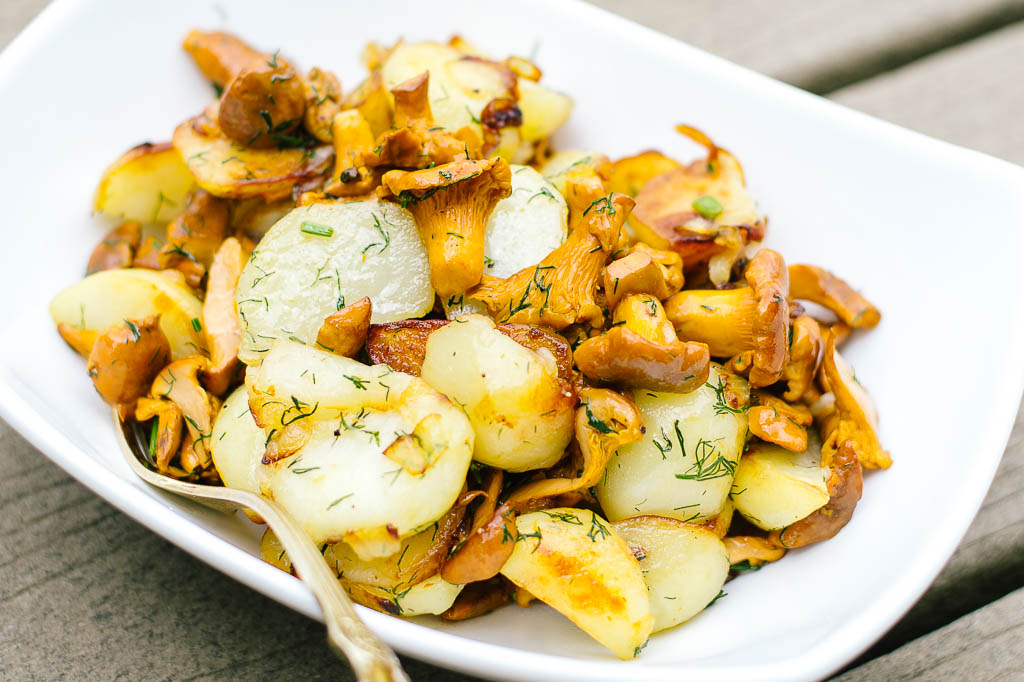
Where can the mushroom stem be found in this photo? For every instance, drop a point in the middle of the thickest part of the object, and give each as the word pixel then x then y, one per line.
pixel 451 204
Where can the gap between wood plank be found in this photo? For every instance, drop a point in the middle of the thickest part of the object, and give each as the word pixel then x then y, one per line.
pixel 898 55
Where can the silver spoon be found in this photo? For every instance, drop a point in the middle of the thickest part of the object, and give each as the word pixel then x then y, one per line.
pixel 348 636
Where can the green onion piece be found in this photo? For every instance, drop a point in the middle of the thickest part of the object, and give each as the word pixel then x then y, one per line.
pixel 707 206
pixel 196 326
pixel 317 229
pixel 152 439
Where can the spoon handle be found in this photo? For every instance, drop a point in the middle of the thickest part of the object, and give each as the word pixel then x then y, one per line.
pixel 348 636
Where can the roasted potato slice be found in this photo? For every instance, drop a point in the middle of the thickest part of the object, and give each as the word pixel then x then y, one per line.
pixel 237 444
pixel 521 412
pixel 683 466
pixel 321 257
pixel 684 565
pixel 228 170
pixel 355 478
pixel 148 184
pixel 573 560
pixel 774 487
pixel 110 297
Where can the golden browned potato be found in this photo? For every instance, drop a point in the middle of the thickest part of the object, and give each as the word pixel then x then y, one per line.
pixel 225 169
pixel 263 104
pixel 110 297
pixel 147 184
pixel 575 562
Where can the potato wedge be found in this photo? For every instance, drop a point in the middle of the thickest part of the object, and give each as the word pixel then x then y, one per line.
pixel 225 169
pixel 355 479
pixel 774 487
pixel 148 184
pixel 683 466
pixel 684 565
pixel 237 444
pixel 572 560
pixel 521 412
pixel 110 297
pixel 320 257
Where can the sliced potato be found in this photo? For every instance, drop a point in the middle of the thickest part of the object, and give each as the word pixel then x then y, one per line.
pixel 521 413
pixel 683 466
pixel 110 297
pixel 238 444
pixel 433 596
pixel 775 487
pixel 357 478
pixel 462 85
pixel 320 257
pixel 684 565
pixel 572 560
pixel 225 169
pixel 526 226
pixel 148 183
pixel 544 110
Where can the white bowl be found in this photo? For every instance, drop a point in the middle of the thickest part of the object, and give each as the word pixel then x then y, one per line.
pixel 930 232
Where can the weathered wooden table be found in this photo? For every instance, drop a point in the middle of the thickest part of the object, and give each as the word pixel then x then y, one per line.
pixel 86 593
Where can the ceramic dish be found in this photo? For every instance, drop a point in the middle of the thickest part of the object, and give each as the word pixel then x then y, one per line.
pixel 930 231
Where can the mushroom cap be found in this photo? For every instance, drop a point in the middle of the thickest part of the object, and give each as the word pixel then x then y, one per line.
pixel 769 280
pixel 624 357
pixel 263 102
pixel 811 283
pixel 451 204
pixel 125 358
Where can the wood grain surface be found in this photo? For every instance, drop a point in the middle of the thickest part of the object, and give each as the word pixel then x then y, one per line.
pixel 86 593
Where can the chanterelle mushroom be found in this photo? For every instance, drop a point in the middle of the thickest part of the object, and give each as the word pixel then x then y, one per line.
pixel 855 420
pixel 804 357
pixel 844 486
pixel 263 103
pixel 219 55
pixel 168 428
pixel 559 291
pixel 344 332
pixel 194 236
pixel 125 358
pixel 811 283
pixel 117 250
pixel 414 141
pixel 641 351
pixel 733 321
pixel 451 204
pixel 702 211
pixel 353 140
pixel 179 383
pixel 323 97
pixel 220 319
